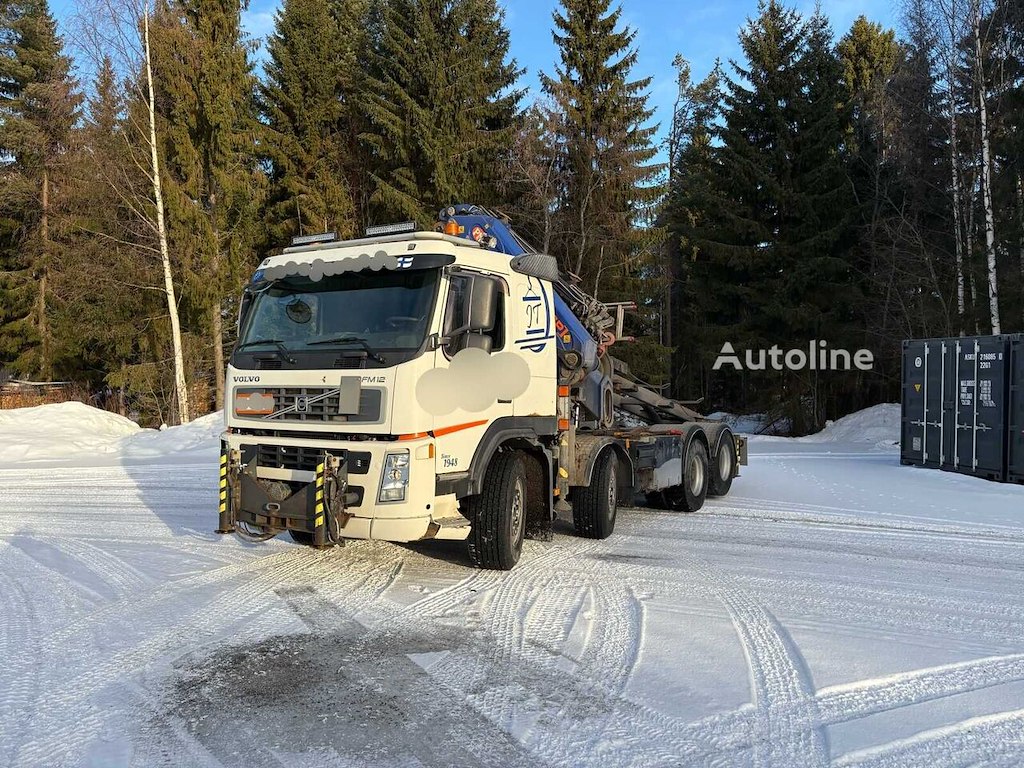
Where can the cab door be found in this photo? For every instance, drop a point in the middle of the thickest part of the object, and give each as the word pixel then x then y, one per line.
pixel 466 392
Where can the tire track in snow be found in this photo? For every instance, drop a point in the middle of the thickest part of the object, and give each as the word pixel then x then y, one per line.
pixel 614 648
pixel 69 717
pixel 867 697
pixel 731 731
pixel 570 713
pixel 19 631
pixel 161 741
pixel 785 708
pixel 521 612
pixel 119 575
pixel 509 601
pixel 990 740
pixel 781 726
pixel 849 517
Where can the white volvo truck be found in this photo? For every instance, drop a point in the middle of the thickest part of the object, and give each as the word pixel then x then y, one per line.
pixel 447 384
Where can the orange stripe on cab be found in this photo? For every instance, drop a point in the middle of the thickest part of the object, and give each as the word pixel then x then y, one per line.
pixel 414 436
pixel 442 430
pixel 458 427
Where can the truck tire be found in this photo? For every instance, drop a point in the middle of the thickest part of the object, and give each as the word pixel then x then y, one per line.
pixel 688 497
pixel 499 514
pixel 301 537
pixel 594 506
pixel 723 466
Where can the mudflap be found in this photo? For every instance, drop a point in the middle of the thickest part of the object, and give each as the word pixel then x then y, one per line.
pixel 741 453
pixel 317 508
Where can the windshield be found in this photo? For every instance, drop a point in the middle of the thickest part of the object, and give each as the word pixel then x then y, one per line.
pixel 373 311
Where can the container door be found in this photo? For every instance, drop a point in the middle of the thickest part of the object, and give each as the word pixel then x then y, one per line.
pixel 1015 430
pixel 921 442
pixel 979 410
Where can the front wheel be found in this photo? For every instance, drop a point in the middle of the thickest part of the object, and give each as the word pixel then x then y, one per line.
pixel 499 514
pixel 594 506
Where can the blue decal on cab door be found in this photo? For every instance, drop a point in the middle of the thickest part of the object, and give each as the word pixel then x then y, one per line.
pixel 536 308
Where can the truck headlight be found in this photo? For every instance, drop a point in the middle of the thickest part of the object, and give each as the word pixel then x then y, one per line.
pixel 395 478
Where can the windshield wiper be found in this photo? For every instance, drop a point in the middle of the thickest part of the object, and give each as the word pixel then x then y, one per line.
pixel 281 350
pixel 351 340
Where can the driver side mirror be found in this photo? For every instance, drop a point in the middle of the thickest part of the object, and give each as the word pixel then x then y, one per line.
pixel 481 306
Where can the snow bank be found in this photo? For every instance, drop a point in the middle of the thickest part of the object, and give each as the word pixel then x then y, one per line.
pixel 88 436
pixel 751 423
pixel 200 437
pixel 878 425
pixel 59 431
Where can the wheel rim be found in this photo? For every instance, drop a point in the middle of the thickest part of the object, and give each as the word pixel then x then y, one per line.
pixel 725 463
pixel 696 475
pixel 517 516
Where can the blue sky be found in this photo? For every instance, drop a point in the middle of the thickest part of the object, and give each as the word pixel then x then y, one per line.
pixel 700 30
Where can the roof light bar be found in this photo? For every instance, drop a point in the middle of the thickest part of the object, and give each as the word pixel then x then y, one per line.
pixel 391 229
pixel 322 237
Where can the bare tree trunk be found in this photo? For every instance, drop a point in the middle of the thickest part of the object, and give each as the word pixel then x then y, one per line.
pixel 217 331
pixel 216 319
pixel 180 386
pixel 1020 224
pixel 986 174
pixel 957 210
pixel 44 273
pixel 954 157
pixel 969 267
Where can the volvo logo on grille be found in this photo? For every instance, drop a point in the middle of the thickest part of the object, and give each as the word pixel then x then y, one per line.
pixel 302 404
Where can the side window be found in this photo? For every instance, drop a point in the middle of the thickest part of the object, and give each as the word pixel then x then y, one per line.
pixel 490 340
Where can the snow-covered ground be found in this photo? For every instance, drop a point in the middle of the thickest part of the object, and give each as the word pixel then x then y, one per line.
pixel 836 608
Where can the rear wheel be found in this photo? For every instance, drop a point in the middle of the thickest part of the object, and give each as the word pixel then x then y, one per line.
pixel 594 506
pixel 723 467
pixel 499 514
pixel 688 497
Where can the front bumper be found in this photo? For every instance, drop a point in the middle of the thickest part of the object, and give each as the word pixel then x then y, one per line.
pixel 329 490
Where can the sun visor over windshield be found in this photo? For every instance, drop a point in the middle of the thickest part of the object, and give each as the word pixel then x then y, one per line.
pixel 318 268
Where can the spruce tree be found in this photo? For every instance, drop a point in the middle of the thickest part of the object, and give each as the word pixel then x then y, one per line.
pixel 305 107
pixel 207 108
pixel 104 280
pixel 868 56
pixel 686 208
pixel 751 211
pixel 610 179
pixel 778 231
pixel 441 102
pixel 39 107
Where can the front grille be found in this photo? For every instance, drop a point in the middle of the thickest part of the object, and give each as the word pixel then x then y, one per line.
pixel 351 361
pixel 315 404
pixel 268 363
pixel 288 457
pixel 304 459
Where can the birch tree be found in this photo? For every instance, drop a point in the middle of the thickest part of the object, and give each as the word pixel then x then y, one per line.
pixel 951 21
pixel 120 29
pixel 986 167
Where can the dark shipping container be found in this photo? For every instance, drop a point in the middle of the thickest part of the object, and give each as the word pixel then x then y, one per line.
pixel 1015 432
pixel 955 407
